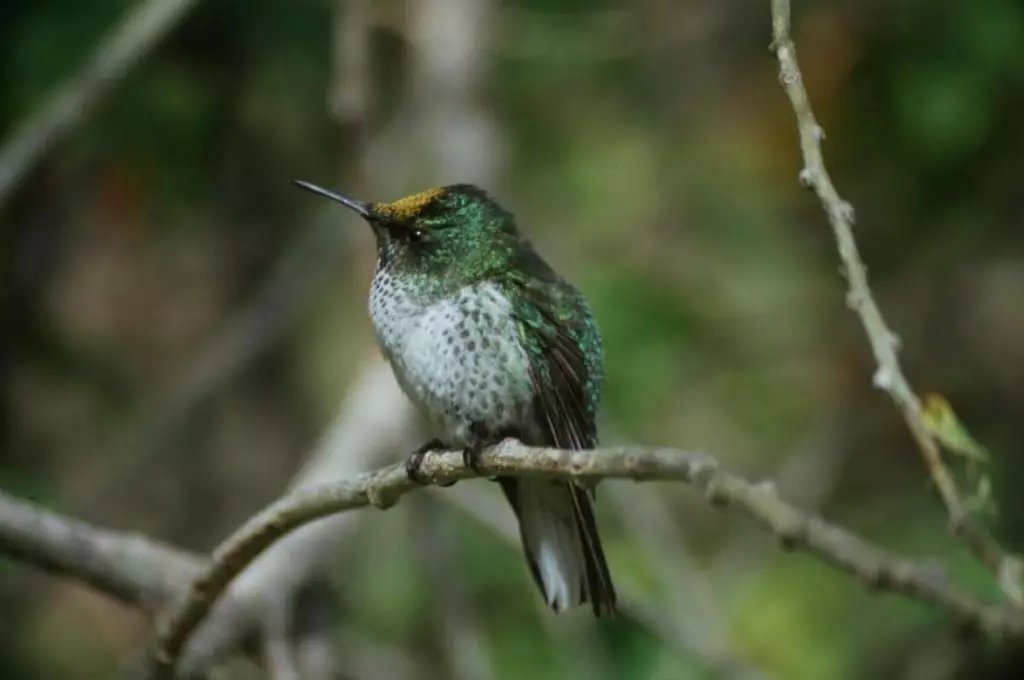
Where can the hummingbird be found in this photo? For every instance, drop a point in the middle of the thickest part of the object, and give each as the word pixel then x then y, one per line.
pixel 489 342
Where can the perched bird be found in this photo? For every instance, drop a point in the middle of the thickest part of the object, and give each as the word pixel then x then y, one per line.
pixel 489 342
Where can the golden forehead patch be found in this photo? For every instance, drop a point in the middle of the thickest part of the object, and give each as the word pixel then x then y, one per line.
pixel 410 206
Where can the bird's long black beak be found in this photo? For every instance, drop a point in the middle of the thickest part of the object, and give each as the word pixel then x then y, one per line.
pixel 358 206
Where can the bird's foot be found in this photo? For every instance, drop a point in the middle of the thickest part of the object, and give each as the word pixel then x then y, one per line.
pixel 415 461
pixel 471 456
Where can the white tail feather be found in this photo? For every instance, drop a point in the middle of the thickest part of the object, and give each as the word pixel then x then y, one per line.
pixel 548 523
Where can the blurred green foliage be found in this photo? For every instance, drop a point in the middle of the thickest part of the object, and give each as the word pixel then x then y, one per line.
pixel 651 155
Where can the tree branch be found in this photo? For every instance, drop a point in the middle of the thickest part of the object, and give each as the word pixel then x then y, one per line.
pixel 383 488
pixel 373 424
pixel 1009 570
pixel 130 568
pixel 149 574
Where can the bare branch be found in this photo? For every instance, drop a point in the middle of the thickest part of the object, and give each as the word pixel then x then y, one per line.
pixel 1009 570
pixel 383 488
pixel 130 568
pixel 148 574
pixel 70 105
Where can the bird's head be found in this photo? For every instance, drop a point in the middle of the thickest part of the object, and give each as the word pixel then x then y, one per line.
pixel 456 232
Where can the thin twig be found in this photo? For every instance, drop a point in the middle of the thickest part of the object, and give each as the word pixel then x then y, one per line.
pixel 383 488
pixel 888 377
pixel 70 105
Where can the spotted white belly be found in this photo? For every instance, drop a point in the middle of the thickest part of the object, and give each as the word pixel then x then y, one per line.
pixel 458 359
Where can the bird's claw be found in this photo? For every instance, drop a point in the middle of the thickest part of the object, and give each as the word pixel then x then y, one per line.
pixel 470 458
pixel 470 454
pixel 412 467
pixel 414 463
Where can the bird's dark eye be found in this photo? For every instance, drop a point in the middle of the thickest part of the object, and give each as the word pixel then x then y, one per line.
pixel 416 236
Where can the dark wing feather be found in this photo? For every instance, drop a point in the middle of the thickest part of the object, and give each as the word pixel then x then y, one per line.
pixel 559 379
pixel 565 388
pixel 555 325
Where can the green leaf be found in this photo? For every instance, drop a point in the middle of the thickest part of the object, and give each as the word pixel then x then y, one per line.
pixel 948 431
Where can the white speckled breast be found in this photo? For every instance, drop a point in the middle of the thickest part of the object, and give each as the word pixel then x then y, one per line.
pixel 458 359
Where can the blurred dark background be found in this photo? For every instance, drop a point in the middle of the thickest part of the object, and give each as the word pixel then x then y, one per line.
pixel 179 325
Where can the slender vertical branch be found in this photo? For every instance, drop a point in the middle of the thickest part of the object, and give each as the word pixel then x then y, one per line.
pixel 888 376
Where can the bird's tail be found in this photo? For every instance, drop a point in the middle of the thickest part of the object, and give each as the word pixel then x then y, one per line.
pixel 562 546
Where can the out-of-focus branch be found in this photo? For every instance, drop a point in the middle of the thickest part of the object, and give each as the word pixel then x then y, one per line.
pixel 349 91
pixel 373 423
pixel 456 624
pixel 151 575
pixel 1008 569
pixel 270 313
pixel 261 602
pixel 806 477
pixel 72 103
pixel 377 421
pixel 243 339
pixel 456 135
pixel 368 428
pixel 383 488
pixel 687 601
pixel 491 511
pixel 313 629
pixel 130 568
pixel 369 658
